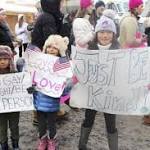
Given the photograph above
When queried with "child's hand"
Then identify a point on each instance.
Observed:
(31, 89)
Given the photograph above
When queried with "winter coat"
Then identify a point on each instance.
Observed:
(48, 22)
(5, 36)
(45, 103)
(83, 32)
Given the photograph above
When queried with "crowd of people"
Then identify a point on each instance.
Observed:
(53, 34)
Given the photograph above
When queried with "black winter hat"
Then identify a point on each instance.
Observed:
(99, 4)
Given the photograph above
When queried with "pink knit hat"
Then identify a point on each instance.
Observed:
(134, 3)
(85, 3)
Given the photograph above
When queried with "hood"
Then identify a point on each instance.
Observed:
(50, 6)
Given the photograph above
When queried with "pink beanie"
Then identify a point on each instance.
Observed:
(134, 3)
(85, 3)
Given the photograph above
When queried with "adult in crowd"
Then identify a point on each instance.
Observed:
(22, 33)
(97, 12)
(130, 35)
(66, 29)
(48, 22)
(82, 29)
(6, 36)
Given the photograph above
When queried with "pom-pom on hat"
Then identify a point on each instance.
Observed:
(57, 41)
(85, 3)
(109, 13)
(134, 3)
(105, 24)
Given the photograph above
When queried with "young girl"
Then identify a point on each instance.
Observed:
(46, 106)
(105, 39)
(10, 120)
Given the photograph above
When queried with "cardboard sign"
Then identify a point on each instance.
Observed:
(13, 94)
(112, 81)
(49, 73)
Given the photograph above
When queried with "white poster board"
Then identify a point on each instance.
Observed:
(112, 81)
(13, 94)
(48, 73)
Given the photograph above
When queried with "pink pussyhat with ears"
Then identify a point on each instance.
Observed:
(85, 3)
(134, 3)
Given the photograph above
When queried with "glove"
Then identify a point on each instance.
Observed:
(31, 89)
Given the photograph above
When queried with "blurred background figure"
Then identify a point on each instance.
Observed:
(48, 22)
(22, 33)
(67, 29)
(6, 36)
(97, 12)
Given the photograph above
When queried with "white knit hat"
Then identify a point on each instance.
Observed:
(105, 24)
(57, 41)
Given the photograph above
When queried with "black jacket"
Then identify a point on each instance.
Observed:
(5, 36)
(49, 22)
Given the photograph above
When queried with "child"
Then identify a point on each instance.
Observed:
(10, 120)
(105, 39)
(46, 106)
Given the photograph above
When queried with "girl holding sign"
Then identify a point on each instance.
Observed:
(48, 106)
(10, 120)
(105, 39)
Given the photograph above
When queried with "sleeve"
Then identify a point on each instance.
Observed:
(82, 32)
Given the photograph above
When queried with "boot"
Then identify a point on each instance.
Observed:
(4, 146)
(113, 141)
(15, 144)
(42, 143)
(52, 144)
(146, 120)
(85, 132)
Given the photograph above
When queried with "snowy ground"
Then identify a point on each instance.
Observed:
(133, 135)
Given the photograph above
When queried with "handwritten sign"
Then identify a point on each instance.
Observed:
(13, 94)
(112, 81)
(49, 73)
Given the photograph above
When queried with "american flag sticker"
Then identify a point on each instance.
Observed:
(61, 63)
